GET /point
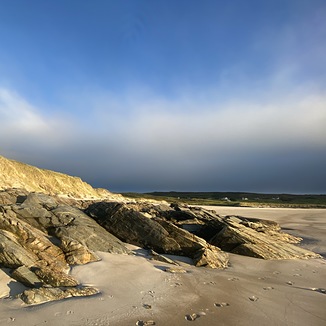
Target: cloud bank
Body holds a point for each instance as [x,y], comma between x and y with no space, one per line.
[143,142]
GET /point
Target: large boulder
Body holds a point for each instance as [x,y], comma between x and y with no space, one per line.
[80,235]
[251,239]
[32,240]
[240,235]
[12,254]
[72,223]
[145,225]
[132,226]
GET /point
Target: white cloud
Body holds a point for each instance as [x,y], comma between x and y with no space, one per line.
[186,126]
[150,139]
[23,123]
[18,115]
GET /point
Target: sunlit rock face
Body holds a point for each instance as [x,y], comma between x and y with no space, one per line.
[40,239]
[14,174]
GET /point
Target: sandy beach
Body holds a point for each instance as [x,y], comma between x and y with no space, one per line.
[250,292]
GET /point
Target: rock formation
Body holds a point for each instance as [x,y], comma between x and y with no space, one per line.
[40,239]
[196,232]
[55,221]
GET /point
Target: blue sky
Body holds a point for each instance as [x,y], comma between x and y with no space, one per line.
[167,95]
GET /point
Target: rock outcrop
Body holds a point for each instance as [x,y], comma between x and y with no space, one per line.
[40,239]
[196,232]
[43,233]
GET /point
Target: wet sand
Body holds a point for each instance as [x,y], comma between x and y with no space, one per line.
[250,292]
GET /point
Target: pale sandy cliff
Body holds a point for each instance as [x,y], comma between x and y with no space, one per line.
[14,174]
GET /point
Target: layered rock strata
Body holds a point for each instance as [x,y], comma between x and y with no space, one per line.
[40,239]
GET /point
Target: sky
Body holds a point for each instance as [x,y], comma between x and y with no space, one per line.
[163,95]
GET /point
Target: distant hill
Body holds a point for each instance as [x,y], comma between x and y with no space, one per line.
[14,174]
[238,199]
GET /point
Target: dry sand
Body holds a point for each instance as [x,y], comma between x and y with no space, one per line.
[250,292]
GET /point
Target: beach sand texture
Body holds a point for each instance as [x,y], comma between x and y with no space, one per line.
[136,290]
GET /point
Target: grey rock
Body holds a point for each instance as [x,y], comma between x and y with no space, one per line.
[162,258]
[76,253]
[32,240]
[25,276]
[211,257]
[42,295]
[78,226]
[267,243]
[129,224]
[12,254]
[55,277]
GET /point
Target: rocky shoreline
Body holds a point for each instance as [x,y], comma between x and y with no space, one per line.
[42,236]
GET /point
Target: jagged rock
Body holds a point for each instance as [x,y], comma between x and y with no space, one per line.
[25,276]
[23,245]
[43,212]
[12,254]
[76,253]
[39,233]
[246,236]
[34,215]
[39,199]
[212,257]
[197,248]
[132,226]
[76,225]
[32,239]
[12,196]
[41,295]
[55,277]
[164,259]
[129,223]
[188,242]
[238,238]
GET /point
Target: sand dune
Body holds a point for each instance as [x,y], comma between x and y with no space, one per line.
[250,292]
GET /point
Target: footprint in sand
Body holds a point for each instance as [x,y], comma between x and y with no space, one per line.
[221,304]
[320,290]
[253,298]
[145,323]
[268,288]
[192,317]
[147,306]
[233,279]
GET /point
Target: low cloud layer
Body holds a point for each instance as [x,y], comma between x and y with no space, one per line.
[145,142]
